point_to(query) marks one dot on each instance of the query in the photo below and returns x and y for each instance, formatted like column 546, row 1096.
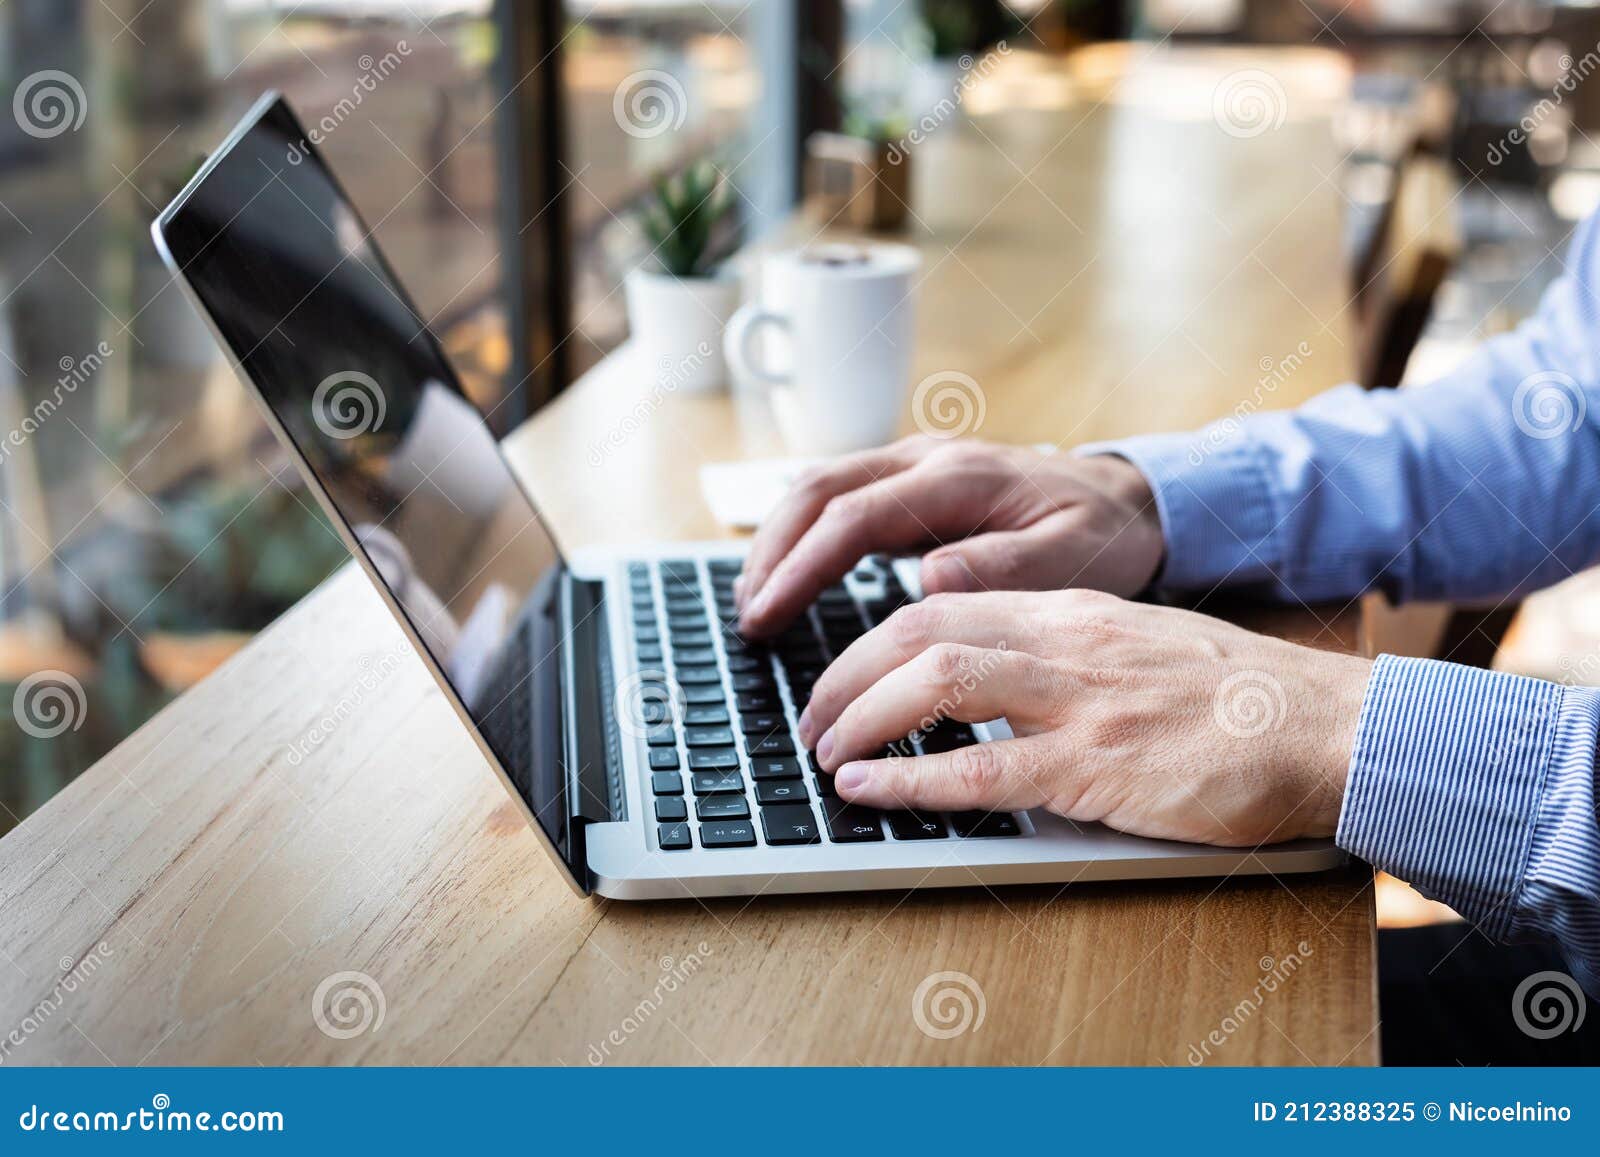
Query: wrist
column 1335, row 696
column 1125, row 487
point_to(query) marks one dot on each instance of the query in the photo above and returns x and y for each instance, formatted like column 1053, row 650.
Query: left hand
column 1154, row 721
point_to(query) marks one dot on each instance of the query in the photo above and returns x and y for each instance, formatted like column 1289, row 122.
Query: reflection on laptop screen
column 282, row 263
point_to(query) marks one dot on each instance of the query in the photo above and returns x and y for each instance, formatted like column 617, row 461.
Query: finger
column 1037, row 557
column 977, row 620
column 804, row 502
column 1007, row 775
column 904, row 510
column 947, row 681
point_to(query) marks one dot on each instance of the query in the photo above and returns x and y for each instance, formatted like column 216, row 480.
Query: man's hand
column 1155, row 721
column 1015, row 519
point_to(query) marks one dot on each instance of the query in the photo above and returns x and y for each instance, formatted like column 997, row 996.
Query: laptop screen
column 289, row 275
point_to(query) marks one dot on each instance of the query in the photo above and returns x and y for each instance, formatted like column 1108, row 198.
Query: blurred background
column 147, row 524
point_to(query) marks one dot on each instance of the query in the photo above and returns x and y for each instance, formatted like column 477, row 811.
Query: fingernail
column 850, row 777
column 804, row 727
column 825, row 746
column 738, row 593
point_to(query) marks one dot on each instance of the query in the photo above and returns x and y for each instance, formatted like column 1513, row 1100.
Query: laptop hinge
column 592, row 748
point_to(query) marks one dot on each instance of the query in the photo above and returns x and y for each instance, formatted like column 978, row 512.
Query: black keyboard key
column 754, row 682
column 691, row 638
column 909, row 825
column 781, row 791
column 685, row 621
column 746, row 664
column 978, row 825
column 774, row 768
column 722, row 807
column 834, row 596
column 708, row 736
column 825, row 786
column 649, row 652
column 674, row 837
column 947, row 736
column 666, row 783
column 727, row 566
column 763, row 723
column 671, row 809
column 698, row 676
column 848, row 824
column 714, row 759
column 663, row 736
column 664, row 759
column 706, row 716
column 716, row 782
column 653, row 711
column 646, row 635
column 758, row 701
column 789, row 824
column 728, row 834
column 696, row 696
column 769, row 745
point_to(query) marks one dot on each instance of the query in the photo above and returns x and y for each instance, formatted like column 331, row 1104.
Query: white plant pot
column 677, row 325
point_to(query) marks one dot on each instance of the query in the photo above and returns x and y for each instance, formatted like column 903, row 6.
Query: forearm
column 1485, row 483
column 1478, row 788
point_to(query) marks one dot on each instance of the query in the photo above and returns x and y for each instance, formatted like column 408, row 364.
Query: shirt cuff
column 1448, row 785
column 1217, row 508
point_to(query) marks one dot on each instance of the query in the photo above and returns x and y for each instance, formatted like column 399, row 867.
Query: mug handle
column 742, row 326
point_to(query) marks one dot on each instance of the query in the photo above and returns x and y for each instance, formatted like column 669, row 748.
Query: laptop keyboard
column 719, row 711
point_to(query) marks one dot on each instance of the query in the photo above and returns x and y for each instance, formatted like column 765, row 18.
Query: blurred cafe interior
column 148, row 525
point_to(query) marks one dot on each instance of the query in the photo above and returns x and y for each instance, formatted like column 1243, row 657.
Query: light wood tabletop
column 218, row 891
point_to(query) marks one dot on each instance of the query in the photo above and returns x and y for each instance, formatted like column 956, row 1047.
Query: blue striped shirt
column 1477, row 787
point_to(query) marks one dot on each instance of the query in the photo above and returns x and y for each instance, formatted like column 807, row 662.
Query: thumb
column 1006, row 775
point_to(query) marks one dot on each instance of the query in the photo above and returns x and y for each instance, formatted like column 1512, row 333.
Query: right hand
column 1011, row 518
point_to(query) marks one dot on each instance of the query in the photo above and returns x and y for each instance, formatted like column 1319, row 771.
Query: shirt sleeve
column 1478, row 788
column 1485, row 483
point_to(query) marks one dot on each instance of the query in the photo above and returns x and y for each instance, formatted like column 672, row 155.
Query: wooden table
column 1097, row 269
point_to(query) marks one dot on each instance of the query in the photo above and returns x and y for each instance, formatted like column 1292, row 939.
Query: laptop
column 650, row 746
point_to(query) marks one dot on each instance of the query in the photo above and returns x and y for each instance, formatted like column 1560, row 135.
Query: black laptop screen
column 285, row 268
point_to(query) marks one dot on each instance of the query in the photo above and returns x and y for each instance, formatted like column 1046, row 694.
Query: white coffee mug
column 832, row 336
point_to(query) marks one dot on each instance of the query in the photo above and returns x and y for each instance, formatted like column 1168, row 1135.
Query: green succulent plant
column 685, row 220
